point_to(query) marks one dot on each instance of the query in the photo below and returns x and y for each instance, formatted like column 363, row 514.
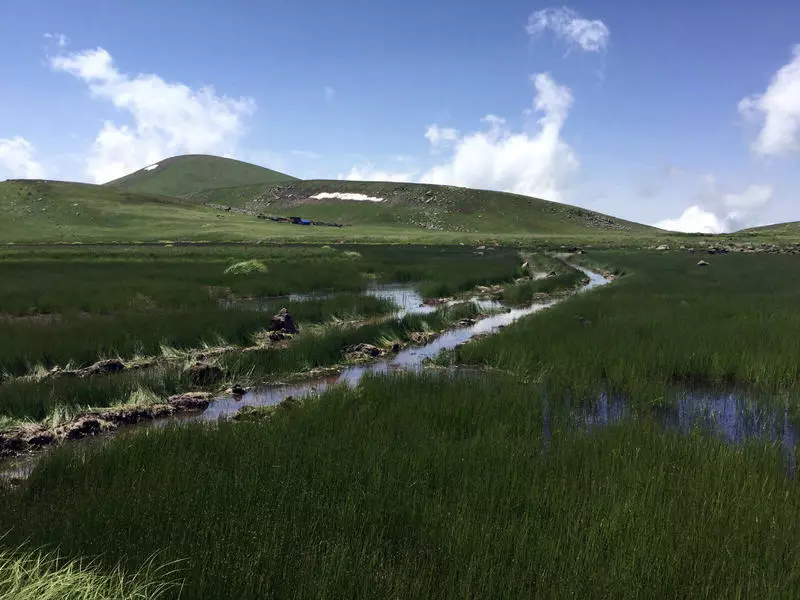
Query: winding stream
column 732, row 416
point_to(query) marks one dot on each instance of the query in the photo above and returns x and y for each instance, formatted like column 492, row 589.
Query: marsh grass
column 78, row 305
column 36, row 575
column 425, row 487
column 524, row 292
column 666, row 323
column 58, row 399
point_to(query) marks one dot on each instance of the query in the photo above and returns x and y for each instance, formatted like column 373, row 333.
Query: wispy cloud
column 59, row 39
column 570, row 26
column 330, row 93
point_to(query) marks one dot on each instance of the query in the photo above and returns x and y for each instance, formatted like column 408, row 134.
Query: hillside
column 57, row 211
column 790, row 229
column 182, row 176
column 417, row 206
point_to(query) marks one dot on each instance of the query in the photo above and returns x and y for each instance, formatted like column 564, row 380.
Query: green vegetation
column 429, row 207
column 425, row 487
column 182, row 176
column 57, row 399
column 35, row 575
column 667, row 323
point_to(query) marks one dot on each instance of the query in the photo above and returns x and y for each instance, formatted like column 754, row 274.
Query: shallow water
column 410, row 359
column 734, row 416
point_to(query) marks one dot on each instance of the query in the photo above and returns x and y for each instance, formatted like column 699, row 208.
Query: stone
column 104, row 367
column 190, row 400
column 662, row 247
column 702, row 263
column 283, row 322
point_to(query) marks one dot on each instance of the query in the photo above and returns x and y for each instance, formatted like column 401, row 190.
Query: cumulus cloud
column 570, row 26
column 694, row 220
column 17, row 159
column 719, row 211
column 534, row 164
column 778, row 110
column 167, row 117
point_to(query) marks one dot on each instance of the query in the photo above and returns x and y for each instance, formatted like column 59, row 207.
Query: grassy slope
column 36, row 211
column 184, row 175
column 431, row 207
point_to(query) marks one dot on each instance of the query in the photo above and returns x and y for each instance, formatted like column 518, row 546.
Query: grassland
column 163, row 306
column 666, row 323
column 425, row 487
column 181, row 176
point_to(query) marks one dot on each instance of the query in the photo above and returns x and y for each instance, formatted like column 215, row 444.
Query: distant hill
column 59, row 211
column 182, row 176
column 409, row 205
column 791, row 229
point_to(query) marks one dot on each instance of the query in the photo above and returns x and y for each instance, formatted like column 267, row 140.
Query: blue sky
column 685, row 114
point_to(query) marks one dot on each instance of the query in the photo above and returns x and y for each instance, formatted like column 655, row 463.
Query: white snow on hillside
column 346, row 196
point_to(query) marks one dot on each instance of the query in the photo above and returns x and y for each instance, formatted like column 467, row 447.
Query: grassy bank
column 57, row 399
column 666, row 322
column 62, row 305
column 425, row 487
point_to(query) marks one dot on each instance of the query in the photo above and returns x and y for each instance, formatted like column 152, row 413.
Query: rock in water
column 702, row 263
column 283, row 322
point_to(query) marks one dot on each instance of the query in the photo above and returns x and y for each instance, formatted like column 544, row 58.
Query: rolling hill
column 57, row 211
column 182, row 176
column 417, row 206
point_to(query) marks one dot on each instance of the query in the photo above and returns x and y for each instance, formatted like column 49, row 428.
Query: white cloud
column 719, row 211
column 330, row 93
column 693, row 220
column 498, row 158
column 59, row 38
column 440, row 135
column 570, row 26
column 168, row 118
column 779, row 109
column 368, row 173
column 16, row 159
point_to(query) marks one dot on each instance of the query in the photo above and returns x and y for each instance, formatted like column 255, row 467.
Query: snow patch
column 151, row 167
column 346, row 196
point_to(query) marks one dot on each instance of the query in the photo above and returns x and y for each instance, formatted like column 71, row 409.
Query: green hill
column 182, row 176
column 57, row 211
column 416, row 206
column 790, row 229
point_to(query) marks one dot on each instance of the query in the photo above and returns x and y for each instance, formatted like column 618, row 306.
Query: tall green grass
column 314, row 348
column 666, row 323
column 425, row 487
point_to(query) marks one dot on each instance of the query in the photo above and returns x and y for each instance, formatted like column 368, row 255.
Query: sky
column 682, row 114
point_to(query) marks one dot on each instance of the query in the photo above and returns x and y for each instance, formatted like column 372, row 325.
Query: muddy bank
column 35, row 436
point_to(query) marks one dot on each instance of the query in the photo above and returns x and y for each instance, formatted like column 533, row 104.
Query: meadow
column 479, row 482
column 425, row 487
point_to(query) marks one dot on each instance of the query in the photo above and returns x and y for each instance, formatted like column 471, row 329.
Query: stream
column 732, row 416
